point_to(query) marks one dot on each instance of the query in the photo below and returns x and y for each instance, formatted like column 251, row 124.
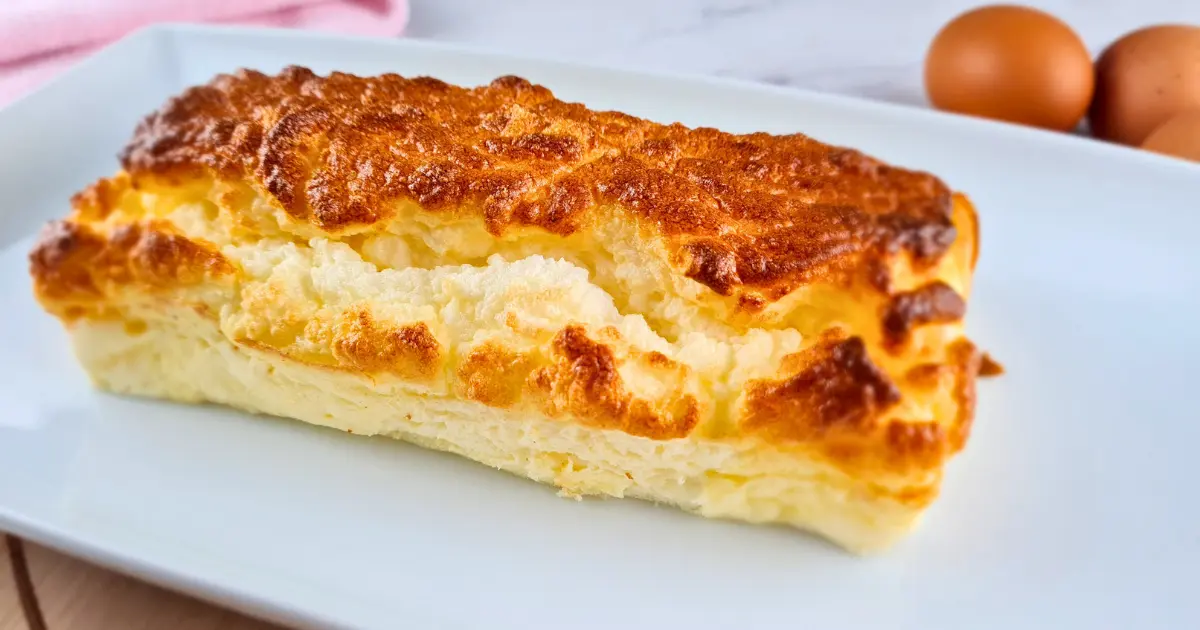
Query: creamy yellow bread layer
column 757, row 327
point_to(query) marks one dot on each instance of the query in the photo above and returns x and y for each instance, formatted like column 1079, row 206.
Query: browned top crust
column 72, row 263
column 755, row 210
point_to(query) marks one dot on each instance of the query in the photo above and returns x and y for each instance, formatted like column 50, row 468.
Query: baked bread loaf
column 757, row 327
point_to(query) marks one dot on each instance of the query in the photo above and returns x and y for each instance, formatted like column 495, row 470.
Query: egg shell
column 1011, row 63
column 1178, row 137
column 1143, row 79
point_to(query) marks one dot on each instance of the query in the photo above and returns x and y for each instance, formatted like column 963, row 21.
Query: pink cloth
column 39, row 38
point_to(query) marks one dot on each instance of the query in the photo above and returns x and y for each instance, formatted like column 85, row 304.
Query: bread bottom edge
column 191, row 361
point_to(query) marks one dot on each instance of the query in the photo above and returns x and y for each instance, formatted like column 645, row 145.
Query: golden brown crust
column 754, row 210
column 494, row 375
column 838, row 389
column 919, row 443
column 74, row 263
column 98, row 200
column 410, row 351
column 583, row 380
column 936, row 302
column 989, row 366
column 838, row 401
column 351, row 341
column 967, row 362
column 963, row 364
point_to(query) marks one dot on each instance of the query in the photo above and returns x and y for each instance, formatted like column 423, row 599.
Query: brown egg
column 1010, row 63
column 1179, row 136
column 1143, row 79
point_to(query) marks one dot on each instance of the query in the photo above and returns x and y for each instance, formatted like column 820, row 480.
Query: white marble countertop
column 871, row 48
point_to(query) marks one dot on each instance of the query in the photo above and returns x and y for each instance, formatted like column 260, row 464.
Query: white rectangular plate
column 1074, row 505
